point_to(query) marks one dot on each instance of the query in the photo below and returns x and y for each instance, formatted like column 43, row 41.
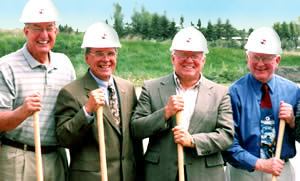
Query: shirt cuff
column 90, row 118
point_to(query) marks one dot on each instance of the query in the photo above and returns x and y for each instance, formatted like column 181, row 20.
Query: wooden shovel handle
column 102, row 152
column 180, row 151
column 37, row 145
column 279, row 143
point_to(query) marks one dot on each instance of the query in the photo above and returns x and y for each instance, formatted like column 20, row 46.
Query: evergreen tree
column 210, row 32
column 250, row 31
column 118, row 17
column 219, row 29
column 172, row 30
column 285, row 34
column 192, row 24
column 155, row 26
column 145, row 24
column 199, row 25
column 181, row 21
column 164, row 23
column 292, row 31
column 277, row 28
column 228, row 30
column 61, row 28
column 136, row 22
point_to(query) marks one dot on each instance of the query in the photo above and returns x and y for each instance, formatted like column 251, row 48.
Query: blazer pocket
column 152, row 157
column 214, row 160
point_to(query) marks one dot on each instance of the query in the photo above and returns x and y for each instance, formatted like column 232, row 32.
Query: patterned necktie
column 267, row 124
column 113, row 104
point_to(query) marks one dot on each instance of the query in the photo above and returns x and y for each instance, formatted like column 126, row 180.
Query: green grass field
column 141, row 60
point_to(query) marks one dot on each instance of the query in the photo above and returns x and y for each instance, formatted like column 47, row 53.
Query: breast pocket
column 152, row 157
column 214, row 160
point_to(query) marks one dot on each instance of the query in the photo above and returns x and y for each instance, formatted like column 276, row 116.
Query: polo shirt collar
column 33, row 63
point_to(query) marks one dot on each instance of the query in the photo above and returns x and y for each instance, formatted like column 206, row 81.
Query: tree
column 145, row 24
column 285, row 34
column 181, row 21
column 136, row 22
column 250, row 31
column 199, row 25
column 155, row 26
column 172, row 29
column 219, row 29
column 61, row 28
column 276, row 27
column 293, row 34
column 118, row 25
column 192, row 24
column 292, row 31
column 210, row 32
column 164, row 22
column 228, row 30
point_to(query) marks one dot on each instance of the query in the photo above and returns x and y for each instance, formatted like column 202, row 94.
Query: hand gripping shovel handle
column 279, row 143
column 37, row 144
column 102, row 152
column 180, row 151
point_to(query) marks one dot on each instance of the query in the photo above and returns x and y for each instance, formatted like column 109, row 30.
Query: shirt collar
column 33, row 63
column 102, row 83
column 178, row 85
column 257, row 84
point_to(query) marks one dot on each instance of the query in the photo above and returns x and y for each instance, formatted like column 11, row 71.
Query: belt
column 44, row 149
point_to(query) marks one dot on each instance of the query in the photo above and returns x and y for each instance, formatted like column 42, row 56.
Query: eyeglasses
column 265, row 59
column 102, row 54
column 49, row 29
column 185, row 56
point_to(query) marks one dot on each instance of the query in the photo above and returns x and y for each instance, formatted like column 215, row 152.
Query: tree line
column 153, row 26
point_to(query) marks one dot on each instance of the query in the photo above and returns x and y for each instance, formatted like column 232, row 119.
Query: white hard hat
column 37, row 11
column 100, row 35
column 189, row 39
column 264, row 40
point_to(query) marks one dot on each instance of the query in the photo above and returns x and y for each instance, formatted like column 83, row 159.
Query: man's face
column 102, row 62
column 188, row 64
column 262, row 66
column 40, row 37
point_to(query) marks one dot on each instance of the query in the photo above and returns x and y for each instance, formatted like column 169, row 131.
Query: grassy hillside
column 141, row 60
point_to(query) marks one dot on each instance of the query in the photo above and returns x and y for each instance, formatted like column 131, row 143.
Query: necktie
column 265, row 99
column 113, row 105
column 267, row 124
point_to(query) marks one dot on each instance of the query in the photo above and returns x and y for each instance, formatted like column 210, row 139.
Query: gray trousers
column 235, row 174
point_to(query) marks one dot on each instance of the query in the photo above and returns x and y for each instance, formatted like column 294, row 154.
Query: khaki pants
column 235, row 174
column 19, row 165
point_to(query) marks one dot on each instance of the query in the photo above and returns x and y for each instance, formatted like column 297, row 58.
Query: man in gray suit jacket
column 76, row 107
column 207, row 127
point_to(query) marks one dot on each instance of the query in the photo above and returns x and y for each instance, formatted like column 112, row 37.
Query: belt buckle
column 25, row 147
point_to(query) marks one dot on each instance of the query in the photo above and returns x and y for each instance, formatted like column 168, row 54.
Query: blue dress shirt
column 245, row 99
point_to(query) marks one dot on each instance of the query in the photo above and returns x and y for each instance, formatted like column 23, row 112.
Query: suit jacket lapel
column 202, row 105
column 167, row 88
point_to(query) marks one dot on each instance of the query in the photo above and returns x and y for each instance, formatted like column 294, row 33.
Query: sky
column 242, row 14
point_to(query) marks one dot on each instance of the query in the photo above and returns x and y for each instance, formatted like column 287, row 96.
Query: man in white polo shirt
column 30, row 79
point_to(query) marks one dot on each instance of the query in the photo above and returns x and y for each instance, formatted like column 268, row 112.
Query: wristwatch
column 193, row 143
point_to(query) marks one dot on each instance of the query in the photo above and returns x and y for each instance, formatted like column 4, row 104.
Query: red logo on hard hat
column 104, row 36
column 41, row 11
column 189, row 40
column 263, row 42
